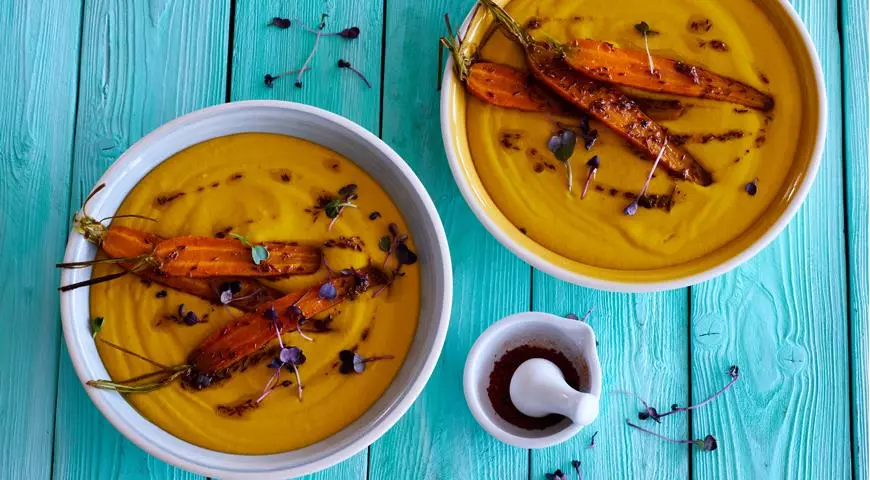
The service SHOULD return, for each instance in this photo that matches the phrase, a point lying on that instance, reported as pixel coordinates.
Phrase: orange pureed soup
(262, 186)
(737, 145)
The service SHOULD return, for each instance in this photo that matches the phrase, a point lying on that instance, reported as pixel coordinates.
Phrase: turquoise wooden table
(84, 79)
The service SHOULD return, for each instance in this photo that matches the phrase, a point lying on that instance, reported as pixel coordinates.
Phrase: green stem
(132, 385)
(508, 23)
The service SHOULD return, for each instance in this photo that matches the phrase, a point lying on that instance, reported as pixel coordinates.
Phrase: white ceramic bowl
(373, 156)
(785, 19)
(573, 338)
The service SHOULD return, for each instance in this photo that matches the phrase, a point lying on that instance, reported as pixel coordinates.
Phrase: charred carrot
(199, 257)
(507, 87)
(621, 66)
(193, 257)
(602, 102)
(250, 334)
(127, 243)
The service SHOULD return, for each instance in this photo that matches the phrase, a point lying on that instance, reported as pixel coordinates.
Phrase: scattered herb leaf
(396, 244)
(385, 243)
(349, 33)
(592, 440)
(282, 23)
(96, 326)
(576, 465)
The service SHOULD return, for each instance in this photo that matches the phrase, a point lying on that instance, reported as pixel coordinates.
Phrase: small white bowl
(572, 337)
(369, 153)
(814, 128)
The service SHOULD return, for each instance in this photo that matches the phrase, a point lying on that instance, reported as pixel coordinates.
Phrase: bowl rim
(562, 273)
(381, 423)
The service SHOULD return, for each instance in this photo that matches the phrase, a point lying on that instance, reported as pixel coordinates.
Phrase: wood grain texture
(259, 49)
(643, 347)
(36, 133)
(783, 322)
(853, 28)
(143, 63)
(438, 438)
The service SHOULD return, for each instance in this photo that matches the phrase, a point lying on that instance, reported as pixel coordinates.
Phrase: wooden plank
(643, 347)
(439, 438)
(143, 64)
(853, 28)
(783, 322)
(41, 41)
(259, 49)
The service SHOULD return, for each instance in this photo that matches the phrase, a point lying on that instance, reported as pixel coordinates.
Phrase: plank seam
(848, 267)
(69, 207)
(689, 349)
(230, 40)
(383, 70)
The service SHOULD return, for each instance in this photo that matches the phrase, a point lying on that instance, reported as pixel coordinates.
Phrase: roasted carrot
(253, 331)
(506, 87)
(621, 66)
(129, 243)
(602, 102)
(199, 257)
(242, 339)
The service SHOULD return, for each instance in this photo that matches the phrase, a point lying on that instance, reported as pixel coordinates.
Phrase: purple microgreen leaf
(393, 229)
(572, 316)
(292, 356)
(190, 319)
(589, 139)
(282, 23)
(557, 475)
(327, 291)
(271, 314)
(631, 208)
(752, 187)
(404, 254)
(351, 362)
(349, 33)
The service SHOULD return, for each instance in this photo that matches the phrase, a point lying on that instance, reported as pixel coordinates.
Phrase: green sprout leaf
(242, 239)
(333, 207)
(259, 253)
(385, 243)
(562, 144)
(96, 325)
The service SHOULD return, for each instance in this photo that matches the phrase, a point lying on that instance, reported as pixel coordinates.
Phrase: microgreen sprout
(259, 253)
(395, 244)
(349, 33)
(352, 362)
(631, 209)
(317, 36)
(333, 205)
(707, 444)
(345, 64)
(269, 80)
(592, 440)
(562, 146)
(576, 465)
(733, 372)
(228, 290)
(644, 30)
(592, 165)
(96, 326)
